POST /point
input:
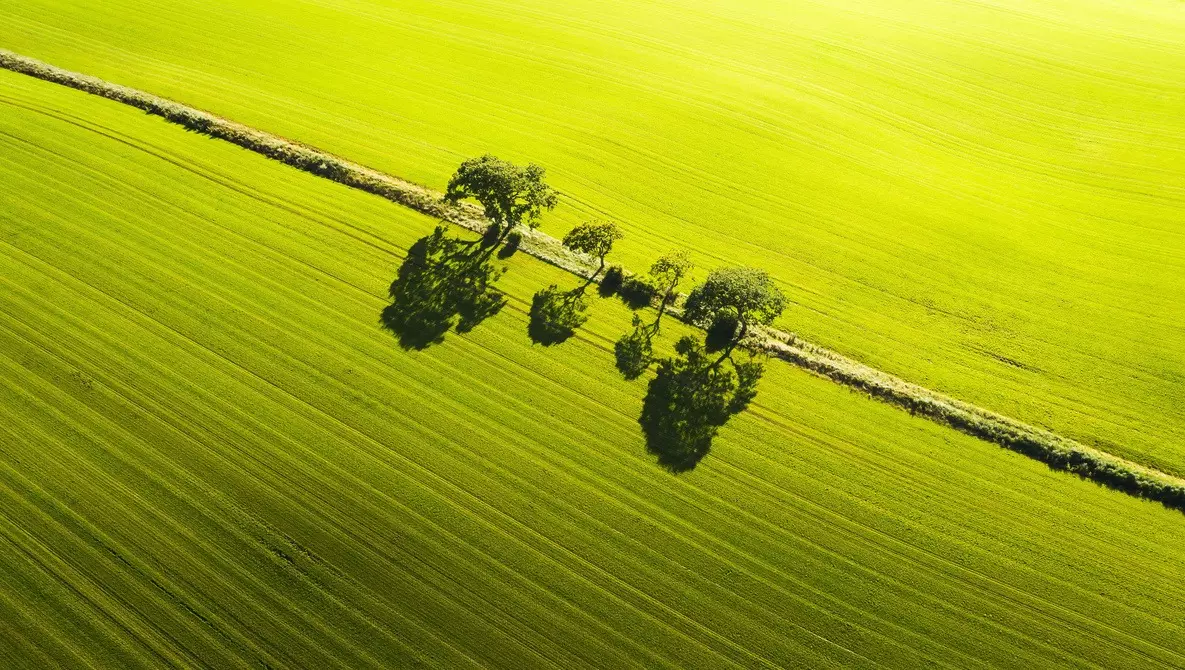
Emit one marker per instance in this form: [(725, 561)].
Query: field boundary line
[(1058, 452)]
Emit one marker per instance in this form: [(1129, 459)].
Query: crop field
[(212, 455), (981, 197)]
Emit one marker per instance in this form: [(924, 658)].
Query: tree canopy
[(667, 273), (594, 238), (747, 294), (510, 194)]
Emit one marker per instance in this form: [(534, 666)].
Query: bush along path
[(1058, 452)]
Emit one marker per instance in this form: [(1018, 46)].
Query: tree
[(594, 238), (634, 350), (666, 274), (746, 295), (510, 194)]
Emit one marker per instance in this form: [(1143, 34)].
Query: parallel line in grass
[(1153, 371), (25, 638), (1014, 595), (164, 521), (442, 530), (119, 596), (350, 231), (385, 557), (1085, 461), (28, 548), (388, 557), (889, 468), (162, 410), (172, 592)]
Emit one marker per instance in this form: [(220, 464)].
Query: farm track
[(1054, 450), (261, 479)]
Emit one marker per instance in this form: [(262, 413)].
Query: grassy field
[(210, 454), (983, 198)]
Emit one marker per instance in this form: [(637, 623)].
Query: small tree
[(667, 273), (510, 194), (747, 295), (594, 238)]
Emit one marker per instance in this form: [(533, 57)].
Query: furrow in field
[(1059, 452), (285, 397), (444, 400)]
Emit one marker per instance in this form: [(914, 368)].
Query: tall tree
[(510, 194), (594, 238), (666, 274), (746, 295)]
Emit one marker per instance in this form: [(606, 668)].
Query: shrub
[(637, 293)]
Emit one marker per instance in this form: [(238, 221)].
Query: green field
[(982, 197), (211, 455)]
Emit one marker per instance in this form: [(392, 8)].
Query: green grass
[(983, 198), (211, 454)]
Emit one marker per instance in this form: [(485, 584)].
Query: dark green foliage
[(555, 315), (722, 331), (611, 281), (636, 293), (594, 238), (633, 350), (666, 274), (509, 194), (443, 282), (513, 240), (690, 397), (749, 293)]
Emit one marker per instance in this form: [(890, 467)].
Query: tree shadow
[(555, 314), (634, 351), (691, 396), (445, 282), (635, 293)]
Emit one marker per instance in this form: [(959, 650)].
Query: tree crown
[(749, 293), (670, 269), (509, 193), (595, 238)]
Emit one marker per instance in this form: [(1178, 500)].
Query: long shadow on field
[(691, 396), (444, 282), (555, 314)]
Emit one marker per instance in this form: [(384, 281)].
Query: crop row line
[(1058, 452)]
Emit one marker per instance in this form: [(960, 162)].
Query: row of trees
[(447, 282)]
